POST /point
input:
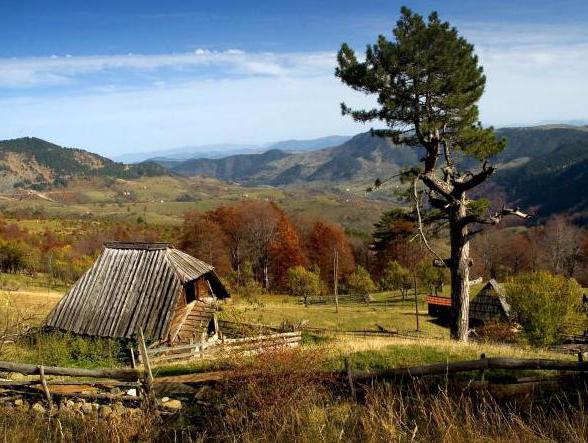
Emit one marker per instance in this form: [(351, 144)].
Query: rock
[(165, 399), (132, 392), (104, 411), (115, 391), (172, 405), (87, 408), (38, 408), (18, 402)]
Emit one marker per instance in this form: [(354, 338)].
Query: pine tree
[(428, 82)]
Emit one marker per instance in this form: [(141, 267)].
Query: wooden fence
[(124, 379), (222, 347)]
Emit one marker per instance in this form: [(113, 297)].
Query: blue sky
[(126, 76)]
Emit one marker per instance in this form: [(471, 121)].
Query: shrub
[(396, 278), (304, 283), (542, 302), (360, 282)]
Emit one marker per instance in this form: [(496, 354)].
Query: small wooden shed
[(489, 305), (167, 293)]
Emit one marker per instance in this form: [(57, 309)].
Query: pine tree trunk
[(460, 274)]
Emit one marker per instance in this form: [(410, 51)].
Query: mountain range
[(543, 167), (169, 156)]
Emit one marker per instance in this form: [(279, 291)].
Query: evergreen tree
[(428, 81)]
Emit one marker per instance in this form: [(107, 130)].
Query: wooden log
[(92, 383), (475, 365), (113, 373)]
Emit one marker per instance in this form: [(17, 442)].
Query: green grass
[(387, 310)]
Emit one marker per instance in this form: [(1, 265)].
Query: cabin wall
[(192, 317)]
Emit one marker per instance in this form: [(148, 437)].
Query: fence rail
[(248, 345)]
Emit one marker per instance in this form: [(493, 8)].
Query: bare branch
[(445, 263), (495, 218), (420, 221)]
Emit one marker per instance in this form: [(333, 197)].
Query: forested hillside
[(35, 163)]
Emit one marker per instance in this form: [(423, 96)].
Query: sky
[(122, 76)]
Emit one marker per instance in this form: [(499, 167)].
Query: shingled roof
[(490, 304), (131, 286)]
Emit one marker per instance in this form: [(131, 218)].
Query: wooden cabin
[(488, 306), (153, 287)]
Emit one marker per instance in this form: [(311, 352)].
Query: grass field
[(165, 200), (387, 310)]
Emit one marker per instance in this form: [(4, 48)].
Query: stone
[(132, 392), (172, 405), (104, 411), (38, 408), (87, 408), (115, 391), (165, 399), (18, 402)]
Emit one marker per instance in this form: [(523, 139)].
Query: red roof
[(439, 301)]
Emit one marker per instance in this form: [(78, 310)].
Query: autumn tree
[(260, 225), (230, 218), (562, 245), (322, 240), (203, 238), (285, 251), (428, 82)]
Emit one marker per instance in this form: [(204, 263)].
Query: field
[(279, 397), (165, 200), (31, 297)]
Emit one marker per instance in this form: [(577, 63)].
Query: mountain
[(226, 149), (362, 157), (543, 167), (546, 167), (30, 162), (188, 152), (310, 145)]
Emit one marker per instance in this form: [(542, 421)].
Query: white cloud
[(43, 71), (97, 102)]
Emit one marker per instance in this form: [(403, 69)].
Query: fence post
[(45, 387), (350, 378), (148, 375), (482, 372), (133, 362)]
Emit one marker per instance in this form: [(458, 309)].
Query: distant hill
[(310, 145), (229, 149), (188, 152), (363, 156), (546, 167), (30, 162)]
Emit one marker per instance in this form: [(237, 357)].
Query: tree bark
[(460, 272)]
